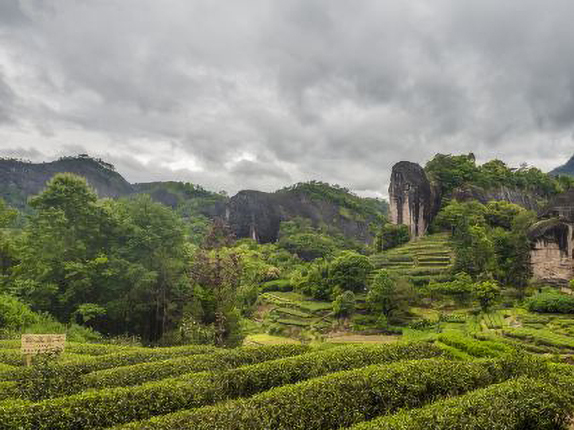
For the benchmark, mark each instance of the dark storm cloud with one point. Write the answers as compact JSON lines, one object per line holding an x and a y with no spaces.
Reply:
{"x":259,"y":93}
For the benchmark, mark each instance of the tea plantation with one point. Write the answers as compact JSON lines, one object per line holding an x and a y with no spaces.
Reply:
{"x":449,"y":382}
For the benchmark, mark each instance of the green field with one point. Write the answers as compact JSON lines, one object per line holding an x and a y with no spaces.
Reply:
{"x":285,"y":387}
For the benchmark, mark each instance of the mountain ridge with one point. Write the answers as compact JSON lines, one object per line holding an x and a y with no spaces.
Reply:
{"x":250,"y":213}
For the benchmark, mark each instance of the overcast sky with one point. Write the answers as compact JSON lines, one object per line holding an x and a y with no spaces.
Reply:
{"x":263,"y":93}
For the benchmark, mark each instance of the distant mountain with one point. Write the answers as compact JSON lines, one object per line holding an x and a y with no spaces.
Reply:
{"x":20,"y":180}
{"x":253,"y":214}
{"x":565,"y":169}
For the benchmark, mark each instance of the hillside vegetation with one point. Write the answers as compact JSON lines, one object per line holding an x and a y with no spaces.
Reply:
{"x":174,"y":322}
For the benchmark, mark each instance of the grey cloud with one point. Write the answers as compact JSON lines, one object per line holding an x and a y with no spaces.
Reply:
{"x":310,"y":89}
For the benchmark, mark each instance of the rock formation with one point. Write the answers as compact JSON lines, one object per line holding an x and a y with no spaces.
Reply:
{"x":413,"y":201}
{"x":258,"y":215}
{"x":552,"y":240}
{"x":20,"y":180}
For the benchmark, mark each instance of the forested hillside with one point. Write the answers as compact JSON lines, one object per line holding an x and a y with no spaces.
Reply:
{"x":456,"y":320}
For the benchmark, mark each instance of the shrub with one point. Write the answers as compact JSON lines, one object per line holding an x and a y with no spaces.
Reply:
{"x":112,"y":406}
{"x":220,"y":360}
{"x":344,"y":304}
{"x":58,"y":377}
{"x":15,"y":315}
{"x":551,"y":302}
{"x":519,"y":404}
{"x":473,"y":347}
{"x":349,"y":271}
{"x":344,"y":398}
{"x":282,"y":285}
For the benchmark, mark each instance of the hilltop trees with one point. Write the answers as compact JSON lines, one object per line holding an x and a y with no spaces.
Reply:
{"x":124,"y":257}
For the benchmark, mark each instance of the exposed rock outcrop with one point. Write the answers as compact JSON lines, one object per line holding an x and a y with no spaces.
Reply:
{"x":552,"y":238}
{"x":413,"y":201}
{"x":527,"y":200}
{"x":258,"y":215}
{"x":251,"y":214}
{"x":20,"y":180}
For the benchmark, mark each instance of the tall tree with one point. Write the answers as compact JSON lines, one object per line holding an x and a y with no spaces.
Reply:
{"x":215,"y":273}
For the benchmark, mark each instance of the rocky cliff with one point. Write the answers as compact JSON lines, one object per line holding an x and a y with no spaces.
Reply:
{"x":552,"y":239}
{"x":252,"y":214}
{"x":258,"y":215}
{"x":413,"y":201}
{"x":20,"y":180}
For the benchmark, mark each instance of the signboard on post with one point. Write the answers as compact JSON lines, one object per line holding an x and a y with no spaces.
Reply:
{"x":34,"y":344}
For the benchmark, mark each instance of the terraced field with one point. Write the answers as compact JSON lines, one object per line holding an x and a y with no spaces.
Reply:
{"x":292,"y":312}
{"x":429,"y":258}
{"x":452,"y":383}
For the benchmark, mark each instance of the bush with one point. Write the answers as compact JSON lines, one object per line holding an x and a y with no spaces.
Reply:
{"x":63,"y":376}
{"x":519,"y":404}
{"x":119,"y":405}
{"x":220,"y":360}
{"x":15,"y":315}
{"x":344,"y":398}
{"x":349,"y":271}
{"x":344,"y":304}
{"x":473,"y":347}
{"x":282,"y":285}
{"x":551,"y":303}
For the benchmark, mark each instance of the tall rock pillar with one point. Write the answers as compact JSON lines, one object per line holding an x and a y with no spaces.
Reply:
{"x":412,"y":200}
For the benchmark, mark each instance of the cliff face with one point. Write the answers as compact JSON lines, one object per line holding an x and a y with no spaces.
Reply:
{"x":526,"y":200}
{"x":552,"y":238}
{"x":413,"y":201}
{"x":20,"y":180}
{"x":252,"y":214}
{"x":258,"y":215}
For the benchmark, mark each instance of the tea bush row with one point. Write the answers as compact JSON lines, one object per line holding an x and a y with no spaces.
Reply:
{"x":119,"y":405}
{"x":344,"y":398}
{"x":523,"y":403}
{"x":220,"y":360}
{"x":53,"y":378}
{"x":474,"y":347}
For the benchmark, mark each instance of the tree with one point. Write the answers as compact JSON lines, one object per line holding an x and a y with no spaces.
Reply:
{"x":8,"y":252}
{"x":62,"y":246}
{"x":474,"y":251}
{"x":344,"y":304}
{"x":349,"y":271}
{"x":394,"y":235}
{"x":486,"y":294}
{"x":389,"y":296}
{"x":215,"y":274}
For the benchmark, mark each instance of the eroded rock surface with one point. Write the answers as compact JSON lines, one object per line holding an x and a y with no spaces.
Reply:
{"x":552,"y":239}
{"x":412,"y":199}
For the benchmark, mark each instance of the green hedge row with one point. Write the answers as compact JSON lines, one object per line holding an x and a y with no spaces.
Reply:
{"x":120,"y":405}
{"x":474,"y":347}
{"x":79,"y":364}
{"x":220,"y":360}
{"x":9,"y":343}
{"x":63,"y":376}
{"x":8,"y":390}
{"x":75,"y":347}
{"x":13,"y":357}
{"x":6,"y":369}
{"x":519,"y":404}
{"x":344,"y":398}
{"x":551,"y":303}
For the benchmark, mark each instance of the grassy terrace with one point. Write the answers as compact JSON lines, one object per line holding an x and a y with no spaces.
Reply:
{"x":429,"y":258}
